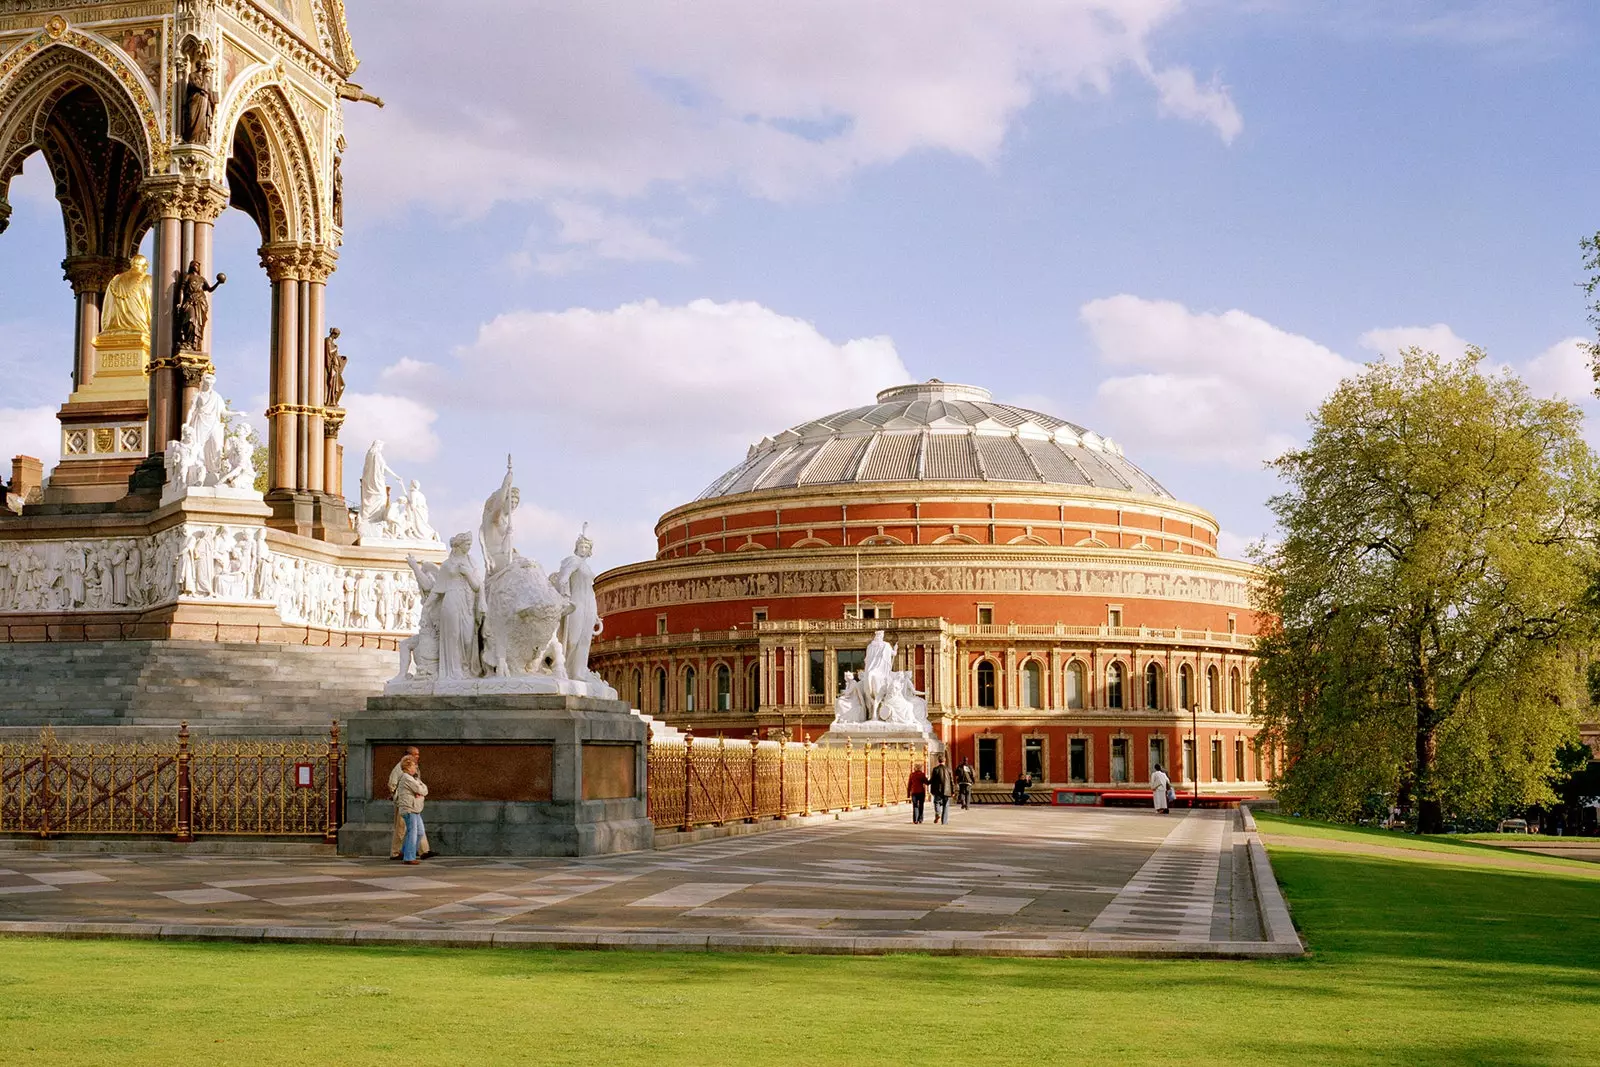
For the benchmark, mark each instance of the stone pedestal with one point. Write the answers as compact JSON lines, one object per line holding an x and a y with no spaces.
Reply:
{"x":882,"y":733}
{"x":103,"y":424}
{"x":508,"y":775}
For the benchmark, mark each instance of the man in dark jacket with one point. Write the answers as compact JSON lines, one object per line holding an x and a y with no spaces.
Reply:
{"x":1019,"y":788}
{"x":939,"y":782}
{"x":917,"y":790}
{"x":964,"y":783}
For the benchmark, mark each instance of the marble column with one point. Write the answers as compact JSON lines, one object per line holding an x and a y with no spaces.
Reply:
{"x":166,"y":388}
{"x":284,"y":377}
{"x":316,"y":392}
{"x":89,"y":276}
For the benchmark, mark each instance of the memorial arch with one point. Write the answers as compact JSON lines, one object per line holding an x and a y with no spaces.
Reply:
{"x":154,"y":117}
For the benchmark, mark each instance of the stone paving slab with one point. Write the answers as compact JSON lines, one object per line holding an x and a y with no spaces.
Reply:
{"x":994,"y":881}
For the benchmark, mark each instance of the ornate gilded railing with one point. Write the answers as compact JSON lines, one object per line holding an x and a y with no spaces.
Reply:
{"x":710,"y":781}
{"x":294,"y":788}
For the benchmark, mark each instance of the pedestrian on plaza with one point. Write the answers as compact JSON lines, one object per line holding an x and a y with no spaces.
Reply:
{"x":917,"y":790}
{"x":408,"y":798}
{"x":1161,"y":790}
{"x":964,"y":778}
{"x":939,"y":783}
{"x":1019,"y":788}
{"x":398,"y":837}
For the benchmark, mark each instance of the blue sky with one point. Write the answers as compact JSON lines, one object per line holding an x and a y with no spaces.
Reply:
{"x":623,"y":241}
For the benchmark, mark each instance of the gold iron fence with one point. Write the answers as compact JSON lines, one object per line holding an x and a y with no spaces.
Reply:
{"x":710,"y":781}
{"x":51,"y":788}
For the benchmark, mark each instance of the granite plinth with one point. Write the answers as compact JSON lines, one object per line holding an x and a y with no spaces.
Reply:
{"x":508,"y":774}
{"x":879,"y":733}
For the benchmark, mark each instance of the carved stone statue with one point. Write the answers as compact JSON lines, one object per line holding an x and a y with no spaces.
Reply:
{"x":200,"y":102}
{"x":338,"y":190}
{"x":523,"y":609}
{"x":418,"y":527}
{"x":126,"y":307}
{"x":208,"y":421}
{"x":457,"y":586}
{"x":574,"y":579}
{"x":850,"y":707}
{"x":374,"y":492}
{"x":335,"y":368}
{"x":875,"y":677}
{"x":880,"y":702}
{"x":193,"y":310}
{"x":419,"y":653}
{"x":240,"y":465}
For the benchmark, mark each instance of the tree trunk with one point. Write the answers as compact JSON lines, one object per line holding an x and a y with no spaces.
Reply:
{"x":1430,"y":818}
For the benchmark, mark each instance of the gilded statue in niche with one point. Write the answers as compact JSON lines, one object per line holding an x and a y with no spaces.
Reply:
{"x":126,"y":308}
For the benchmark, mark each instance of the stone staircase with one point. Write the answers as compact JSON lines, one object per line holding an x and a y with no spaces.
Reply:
{"x":159,"y":683}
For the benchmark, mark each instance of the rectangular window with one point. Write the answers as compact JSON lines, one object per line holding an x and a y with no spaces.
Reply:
{"x":1114,"y":618}
{"x":1216,"y":759}
{"x":758,"y":615}
{"x":661,"y":624}
{"x":1033,"y":757}
{"x":1233,"y":623}
{"x":1188,"y":759}
{"x":1238,"y":761}
{"x":988,"y":759}
{"x":848,"y":659}
{"x":818,"y":679}
{"x":1119,"y":759}
{"x":985,"y":615}
{"x":1078,"y":759}
{"x":1158,"y":753}
{"x":885,"y":611}
{"x":1255,"y":761}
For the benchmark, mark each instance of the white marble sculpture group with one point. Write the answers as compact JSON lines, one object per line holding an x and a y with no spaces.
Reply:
{"x":387,"y":519}
{"x":204,"y":561}
{"x":881,"y":699}
{"x":214,"y":454}
{"x":507,"y":628}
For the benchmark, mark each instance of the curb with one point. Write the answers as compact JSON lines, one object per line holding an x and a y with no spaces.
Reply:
{"x":1275,"y":918}
{"x":603,"y":940}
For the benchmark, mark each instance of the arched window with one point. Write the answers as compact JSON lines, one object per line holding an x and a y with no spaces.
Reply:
{"x":1235,"y":690}
{"x":724,"y":688}
{"x":638,"y":690}
{"x":688,"y":689}
{"x":1213,"y":689}
{"x":1185,"y":687}
{"x":661,"y":691}
{"x":986,"y":697}
{"x":1114,"y":686}
{"x":1032,"y":684}
{"x":754,"y":703}
{"x":1074,"y":684}
{"x":1152,"y":686}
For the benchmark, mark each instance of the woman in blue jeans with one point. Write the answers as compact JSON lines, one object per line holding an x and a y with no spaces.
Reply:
{"x":408,"y":796}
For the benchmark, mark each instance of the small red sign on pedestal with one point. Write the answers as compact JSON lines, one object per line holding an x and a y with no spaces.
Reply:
{"x":302,"y":776}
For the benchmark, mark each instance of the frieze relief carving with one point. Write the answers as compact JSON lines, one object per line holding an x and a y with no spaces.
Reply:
{"x":223,"y":563}
{"x":1093,"y":581}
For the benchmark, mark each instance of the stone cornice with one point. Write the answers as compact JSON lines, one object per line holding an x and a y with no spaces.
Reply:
{"x":297,"y":262}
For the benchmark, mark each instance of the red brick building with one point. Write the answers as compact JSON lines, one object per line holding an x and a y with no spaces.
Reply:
{"x":1061,"y":610}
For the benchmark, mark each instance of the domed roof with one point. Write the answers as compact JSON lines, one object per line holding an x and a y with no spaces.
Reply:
{"x":935,"y":431}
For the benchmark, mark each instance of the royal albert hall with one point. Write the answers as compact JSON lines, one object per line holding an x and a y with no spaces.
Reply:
{"x":1060,"y":609}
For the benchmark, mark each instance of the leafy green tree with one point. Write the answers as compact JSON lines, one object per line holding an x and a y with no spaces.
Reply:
{"x":1434,"y":573}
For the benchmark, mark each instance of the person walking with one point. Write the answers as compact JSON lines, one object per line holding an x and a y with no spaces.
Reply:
{"x":917,"y":790}
{"x":964,"y":783}
{"x":399,"y":835}
{"x":939,"y":783}
{"x":408,"y":797}
{"x":1160,"y":790}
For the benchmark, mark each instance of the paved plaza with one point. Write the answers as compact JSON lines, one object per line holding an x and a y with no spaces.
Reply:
{"x":994,"y":880}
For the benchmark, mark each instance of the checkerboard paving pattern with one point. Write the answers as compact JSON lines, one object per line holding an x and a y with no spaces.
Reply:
{"x":991,"y":872}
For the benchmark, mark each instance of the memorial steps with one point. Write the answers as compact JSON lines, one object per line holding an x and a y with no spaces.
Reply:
{"x":156,"y":683}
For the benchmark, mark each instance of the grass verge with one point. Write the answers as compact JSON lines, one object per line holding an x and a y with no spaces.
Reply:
{"x":1414,"y":962}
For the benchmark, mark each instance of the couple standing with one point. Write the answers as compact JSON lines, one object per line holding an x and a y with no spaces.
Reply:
{"x":410,"y":841}
{"x":940,"y":782}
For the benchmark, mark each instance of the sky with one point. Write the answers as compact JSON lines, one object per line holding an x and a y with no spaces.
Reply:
{"x":621,"y":242}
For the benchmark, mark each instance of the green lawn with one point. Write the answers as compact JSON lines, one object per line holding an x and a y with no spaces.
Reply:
{"x":1458,"y":844}
{"x":1415,"y":962}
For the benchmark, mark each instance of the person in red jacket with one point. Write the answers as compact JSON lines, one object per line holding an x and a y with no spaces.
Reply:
{"x":917,"y":790}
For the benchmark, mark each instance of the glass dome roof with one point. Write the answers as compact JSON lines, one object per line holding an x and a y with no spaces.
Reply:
{"x":938,"y":432}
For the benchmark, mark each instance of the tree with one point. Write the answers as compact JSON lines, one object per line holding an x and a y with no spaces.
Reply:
{"x":1435,"y":567}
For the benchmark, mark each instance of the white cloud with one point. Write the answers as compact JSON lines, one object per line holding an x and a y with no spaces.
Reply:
{"x":576,"y":98}
{"x":403,"y":424}
{"x":1439,"y":339}
{"x":1563,"y":370}
{"x":1228,"y":387}
{"x":1183,"y":96}
{"x":587,"y":234}
{"x":29,"y":432}
{"x":705,"y":375}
